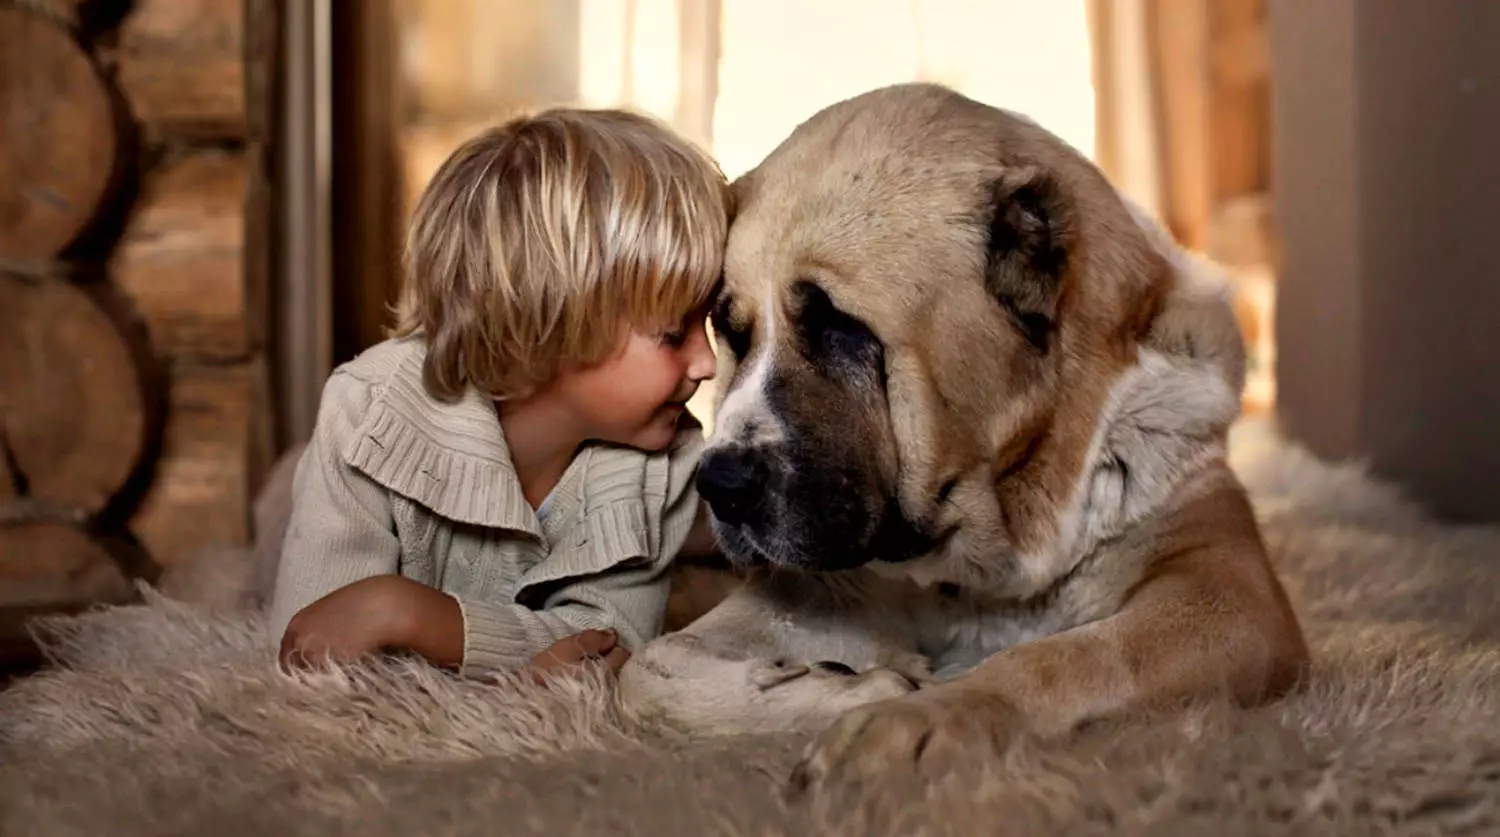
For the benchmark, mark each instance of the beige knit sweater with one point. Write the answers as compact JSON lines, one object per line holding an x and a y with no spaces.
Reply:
{"x":394,"y":481}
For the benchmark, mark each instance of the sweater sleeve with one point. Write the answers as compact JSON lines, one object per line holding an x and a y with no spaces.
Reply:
{"x":501,"y":637}
{"x":341,"y":529}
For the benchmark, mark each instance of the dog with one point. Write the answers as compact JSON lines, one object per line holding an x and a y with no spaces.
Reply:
{"x":970,"y":444}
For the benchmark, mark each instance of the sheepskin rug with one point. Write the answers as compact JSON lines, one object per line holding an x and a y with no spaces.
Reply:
{"x":167,"y":718}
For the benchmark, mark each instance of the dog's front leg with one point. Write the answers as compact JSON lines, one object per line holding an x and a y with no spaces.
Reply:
{"x":1209,"y":619}
{"x":779,"y":653}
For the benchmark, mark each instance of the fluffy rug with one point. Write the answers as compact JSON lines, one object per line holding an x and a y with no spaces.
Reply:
{"x":167,"y":719}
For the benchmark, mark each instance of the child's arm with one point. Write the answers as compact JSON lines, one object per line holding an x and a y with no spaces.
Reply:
{"x":435,"y":627}
{"x":337,"y":592}
{"x":391,"y":611}
{"x":340,"y":535}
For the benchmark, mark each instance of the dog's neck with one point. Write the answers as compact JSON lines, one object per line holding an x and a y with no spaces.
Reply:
{"x":1164,"y":421}
{"x":1116,"y":451}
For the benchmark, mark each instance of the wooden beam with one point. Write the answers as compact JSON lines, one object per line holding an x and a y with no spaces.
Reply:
{"x":199,"y":496}
{"x":366,"y":188}
{"x":181,"y":66}
{"x":1179,"y":32}
{"x":76,"y":391}
{"x":1239,"y":100}
{"x":63,"y":145}
{"x":263,"y":95}
{"x":182,"y":257}
{"x":1210,"y":61}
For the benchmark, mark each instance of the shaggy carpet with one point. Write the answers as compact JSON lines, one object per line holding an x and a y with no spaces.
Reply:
{"x":167,"y":718}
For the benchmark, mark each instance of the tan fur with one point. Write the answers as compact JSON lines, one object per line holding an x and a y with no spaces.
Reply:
{"x":1104,"y":561}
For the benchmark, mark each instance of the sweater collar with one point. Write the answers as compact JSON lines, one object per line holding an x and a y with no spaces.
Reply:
{"x":452,"y":457}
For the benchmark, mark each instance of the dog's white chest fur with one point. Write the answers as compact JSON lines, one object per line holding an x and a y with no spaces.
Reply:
{"x":957,"y":630}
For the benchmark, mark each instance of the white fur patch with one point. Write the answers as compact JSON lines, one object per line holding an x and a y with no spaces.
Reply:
{"x":1165,"y":418}
{"x":745,"y":416}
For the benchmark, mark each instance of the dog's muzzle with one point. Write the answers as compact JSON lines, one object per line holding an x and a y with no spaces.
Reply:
{"x":733,"y":482}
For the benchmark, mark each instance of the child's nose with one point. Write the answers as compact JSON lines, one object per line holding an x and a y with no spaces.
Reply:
{"x":701,"y":362}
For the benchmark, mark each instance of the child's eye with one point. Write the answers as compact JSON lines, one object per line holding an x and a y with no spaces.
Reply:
{"x":676,"y":337}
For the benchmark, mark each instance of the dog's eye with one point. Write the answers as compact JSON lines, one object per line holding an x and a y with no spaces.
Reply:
{"x":834,"y":339}
{"x":736,"y":337}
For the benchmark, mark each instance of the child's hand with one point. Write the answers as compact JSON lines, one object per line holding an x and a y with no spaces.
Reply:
{"x":571,"y":651}
{"x":341,"y":627}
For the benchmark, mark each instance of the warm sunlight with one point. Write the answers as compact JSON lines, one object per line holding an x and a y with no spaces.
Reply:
{"x":782,"y":60}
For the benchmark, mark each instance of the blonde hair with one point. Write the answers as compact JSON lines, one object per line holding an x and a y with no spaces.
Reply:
{"x":539,"y":239}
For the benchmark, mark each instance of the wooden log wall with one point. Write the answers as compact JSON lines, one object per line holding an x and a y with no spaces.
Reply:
{"x":135,"y":255}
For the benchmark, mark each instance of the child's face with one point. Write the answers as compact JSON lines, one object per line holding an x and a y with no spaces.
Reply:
{"x":636,"y":396}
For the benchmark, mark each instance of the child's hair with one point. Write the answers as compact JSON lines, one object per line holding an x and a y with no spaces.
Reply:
{"x":538,"y":239}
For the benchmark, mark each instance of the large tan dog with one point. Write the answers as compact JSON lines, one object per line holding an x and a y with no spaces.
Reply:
{"x":972,"y":432}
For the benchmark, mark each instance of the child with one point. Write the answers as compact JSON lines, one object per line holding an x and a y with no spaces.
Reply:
{"x":505,"y":481}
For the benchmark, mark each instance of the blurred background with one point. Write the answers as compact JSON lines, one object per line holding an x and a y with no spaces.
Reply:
{"x":201,"y":205}
{"x":1171,"y":98}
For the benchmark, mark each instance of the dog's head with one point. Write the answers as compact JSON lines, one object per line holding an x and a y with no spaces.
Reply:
{"x":929,"y":308}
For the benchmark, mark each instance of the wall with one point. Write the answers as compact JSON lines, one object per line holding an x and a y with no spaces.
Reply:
{"x":135,"y":260}
{"x":1387,"y":118}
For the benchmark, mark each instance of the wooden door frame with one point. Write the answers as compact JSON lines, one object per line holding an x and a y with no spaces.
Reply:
{"x":302,"y":296}
{"x":365,"y":218}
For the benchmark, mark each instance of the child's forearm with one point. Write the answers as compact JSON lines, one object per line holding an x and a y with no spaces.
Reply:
{"x":433,"y":624}
{"x":355,"y":620}
{"x":395,"y":613}
{"x":430,"y":623}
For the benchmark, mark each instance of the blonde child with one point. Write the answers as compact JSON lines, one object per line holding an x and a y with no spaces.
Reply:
{"x":504,"y":482}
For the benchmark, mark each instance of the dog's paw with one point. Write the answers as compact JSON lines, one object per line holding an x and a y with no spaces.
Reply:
{"x":827,"y":686}
{"x":924,"y":733}
{"x":686,"y":686}
{"x":768,"y":674}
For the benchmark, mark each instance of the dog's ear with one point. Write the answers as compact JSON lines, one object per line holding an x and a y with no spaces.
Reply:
{"x":1027,"y":250}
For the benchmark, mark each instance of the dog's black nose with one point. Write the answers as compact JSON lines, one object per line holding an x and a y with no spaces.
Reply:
{"x":732,"y":482}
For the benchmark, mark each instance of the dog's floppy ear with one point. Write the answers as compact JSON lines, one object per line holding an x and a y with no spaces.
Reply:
{"x":1027,"y":250}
